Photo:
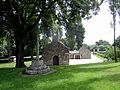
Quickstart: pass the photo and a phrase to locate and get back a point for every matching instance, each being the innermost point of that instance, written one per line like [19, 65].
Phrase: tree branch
[42, 14]
[32, 11]
[49, 6]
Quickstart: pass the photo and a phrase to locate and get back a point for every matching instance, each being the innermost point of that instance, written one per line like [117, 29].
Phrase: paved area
[93, 59]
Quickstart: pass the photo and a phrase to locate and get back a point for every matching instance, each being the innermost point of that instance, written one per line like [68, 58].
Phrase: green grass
[104, 76]
[101, 56]
[97, 55]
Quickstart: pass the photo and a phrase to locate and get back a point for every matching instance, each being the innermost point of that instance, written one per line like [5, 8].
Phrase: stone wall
[55, 48]
[85, 53]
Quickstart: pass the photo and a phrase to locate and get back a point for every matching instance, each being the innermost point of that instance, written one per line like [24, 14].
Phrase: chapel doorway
[55, 60]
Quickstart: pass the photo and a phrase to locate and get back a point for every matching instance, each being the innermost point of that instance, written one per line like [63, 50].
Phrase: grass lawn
[104, 76]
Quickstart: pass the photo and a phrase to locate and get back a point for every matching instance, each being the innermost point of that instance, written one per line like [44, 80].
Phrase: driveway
[93, 59]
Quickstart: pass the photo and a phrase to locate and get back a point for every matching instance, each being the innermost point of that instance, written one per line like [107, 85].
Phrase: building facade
[55, 53]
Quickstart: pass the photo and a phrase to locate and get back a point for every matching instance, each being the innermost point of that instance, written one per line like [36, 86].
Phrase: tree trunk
[37, 52]
[19, 53]
[114, 27]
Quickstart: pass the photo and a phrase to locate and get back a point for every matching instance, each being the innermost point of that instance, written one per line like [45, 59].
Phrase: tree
[22, 16]
[117, 42]
[79, 32]
[102, 42]
[31, 42]
[74, 36]
[70, 40]
[100, 45]
[113, 7]
[109, 54]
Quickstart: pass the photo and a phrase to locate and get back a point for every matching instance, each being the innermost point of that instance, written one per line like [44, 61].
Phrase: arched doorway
[55, 60]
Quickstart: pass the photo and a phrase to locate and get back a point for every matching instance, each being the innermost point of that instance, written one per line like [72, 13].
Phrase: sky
[99, 28]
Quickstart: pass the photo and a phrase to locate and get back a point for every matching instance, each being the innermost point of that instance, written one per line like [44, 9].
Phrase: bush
[3, 52]
[109, 54]
[101, 55]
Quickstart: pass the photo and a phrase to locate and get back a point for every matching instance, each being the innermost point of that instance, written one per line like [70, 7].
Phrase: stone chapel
[55, 53]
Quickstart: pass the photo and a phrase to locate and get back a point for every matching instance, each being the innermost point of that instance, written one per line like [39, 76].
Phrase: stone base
[37, 67]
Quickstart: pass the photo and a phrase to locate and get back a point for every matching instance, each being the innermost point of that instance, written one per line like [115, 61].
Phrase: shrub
[101, 55]
[109, 54]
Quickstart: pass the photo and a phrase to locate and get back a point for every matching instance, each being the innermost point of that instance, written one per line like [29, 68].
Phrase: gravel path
[93, 59]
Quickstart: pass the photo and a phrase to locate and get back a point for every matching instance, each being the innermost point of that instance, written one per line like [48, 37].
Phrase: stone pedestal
[37, 67]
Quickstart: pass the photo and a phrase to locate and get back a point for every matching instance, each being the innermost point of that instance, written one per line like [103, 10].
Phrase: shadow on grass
[89, 84]
[63, 70]
[60, 80]
[11, 80]
[89, 67]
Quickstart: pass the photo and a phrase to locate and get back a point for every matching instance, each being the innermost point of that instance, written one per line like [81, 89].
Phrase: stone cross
[55, 38]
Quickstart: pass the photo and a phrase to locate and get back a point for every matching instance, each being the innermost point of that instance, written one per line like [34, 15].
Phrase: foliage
[22, 16]
[75, 36]
[44, 42]
[3, 42]
[103, 76]
[31, 43]
[103, 47]
[101, 56]
[70, 40]
[79, 33]
[7, 42]
[100, 45]
[114, 6]
[87, 46]
[117, 41]
[102, 42]
[3, 52]
[110, 53]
